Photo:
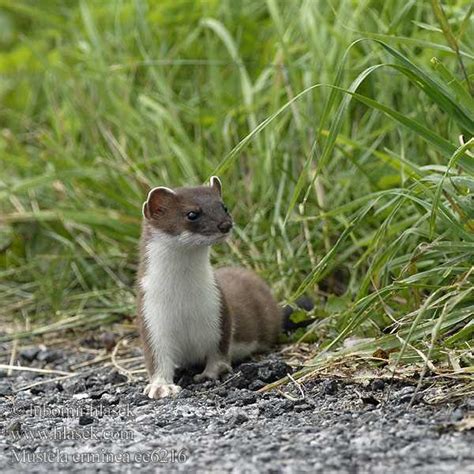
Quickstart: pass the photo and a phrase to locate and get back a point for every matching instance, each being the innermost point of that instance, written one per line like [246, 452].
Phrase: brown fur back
[253, 311]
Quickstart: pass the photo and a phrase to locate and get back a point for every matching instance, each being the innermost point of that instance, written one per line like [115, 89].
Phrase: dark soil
[100, 422]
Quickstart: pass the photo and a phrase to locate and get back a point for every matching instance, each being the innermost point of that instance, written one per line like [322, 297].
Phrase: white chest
[181, 305]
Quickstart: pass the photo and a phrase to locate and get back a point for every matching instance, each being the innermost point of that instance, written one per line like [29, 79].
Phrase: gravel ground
[100, 422]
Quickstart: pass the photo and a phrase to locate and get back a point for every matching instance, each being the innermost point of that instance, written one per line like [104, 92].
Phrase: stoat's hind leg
[216, 365]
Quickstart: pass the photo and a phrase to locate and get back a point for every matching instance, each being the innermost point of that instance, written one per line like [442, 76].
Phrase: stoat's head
[191, 216]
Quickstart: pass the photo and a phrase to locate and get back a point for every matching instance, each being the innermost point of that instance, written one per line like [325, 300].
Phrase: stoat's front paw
[159, 390]
[213, 371]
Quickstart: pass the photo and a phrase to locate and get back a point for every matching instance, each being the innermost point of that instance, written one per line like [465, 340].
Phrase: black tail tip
[303, 302]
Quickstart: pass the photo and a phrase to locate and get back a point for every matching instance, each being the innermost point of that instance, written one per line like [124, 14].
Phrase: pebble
[108, 340]
[248, 398]
[108, 398]
[257, 385]
[185, 393]
[469, 404]
[115, 378]
[238, 419]
[14, 427]
[85, 420]
[96, 395]
[48, 356]
[377, 384]
[221, 391]
[302, 407]
[38, 389]
[329, 387]
[406, 394]
[81, 396]
[5, 389]
[29, 354]
[457, 415]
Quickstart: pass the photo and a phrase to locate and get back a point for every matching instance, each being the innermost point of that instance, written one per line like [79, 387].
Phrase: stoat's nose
[225, 226]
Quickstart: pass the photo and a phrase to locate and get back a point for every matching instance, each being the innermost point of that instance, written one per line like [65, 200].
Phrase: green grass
[334, 127]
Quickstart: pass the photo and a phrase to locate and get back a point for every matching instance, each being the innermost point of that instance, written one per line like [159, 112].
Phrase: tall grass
[334, 126]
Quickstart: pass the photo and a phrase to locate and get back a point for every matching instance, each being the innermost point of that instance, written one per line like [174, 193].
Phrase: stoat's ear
[215, 183]
[159, 200]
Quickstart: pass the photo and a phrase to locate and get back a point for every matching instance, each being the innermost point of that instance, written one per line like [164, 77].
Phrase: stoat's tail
[303, 302]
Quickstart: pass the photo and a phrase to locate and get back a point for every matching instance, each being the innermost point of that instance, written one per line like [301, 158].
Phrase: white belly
[181, 308]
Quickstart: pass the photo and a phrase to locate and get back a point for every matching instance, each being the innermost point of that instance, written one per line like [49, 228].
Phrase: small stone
[80, 396]
[37, 390]
[329, 387]
[370, 400]
[265, 373]
[48, 356]
[377, 384]
[91, 341]
[469, 404]
[108, 398]
[115, 378]
[14, 427]
[248, 370]
[5, 390]
[85, 420]
[271, 411]
[23, 394]
[29, 354]
[248, 398]
[407, 390]
[185, 380]
[239, 419]
[108, 340]
[457, 415]
[185, 393]
[257, 385]
[265, 458]
[221, 391]
[96, 395]
[302, 407]
[280, 369]
[406, 394]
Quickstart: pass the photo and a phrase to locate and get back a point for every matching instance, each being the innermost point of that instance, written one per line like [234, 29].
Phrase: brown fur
[147, 349]
[254, 313]
[226, 326]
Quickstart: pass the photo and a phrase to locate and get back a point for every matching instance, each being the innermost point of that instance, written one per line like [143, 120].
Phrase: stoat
[189, 313]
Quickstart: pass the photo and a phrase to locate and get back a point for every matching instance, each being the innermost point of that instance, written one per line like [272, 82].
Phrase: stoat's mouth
[195, 239]
[216, 238]
[221, 237]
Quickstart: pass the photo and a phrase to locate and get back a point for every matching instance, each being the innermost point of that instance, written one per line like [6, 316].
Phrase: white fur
[241, 350]
[181, 304]
[160, 187]
[215, 181]
[187, 238]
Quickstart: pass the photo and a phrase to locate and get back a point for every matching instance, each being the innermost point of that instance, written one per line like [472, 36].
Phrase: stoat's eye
[225, 208]
[193, 215]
